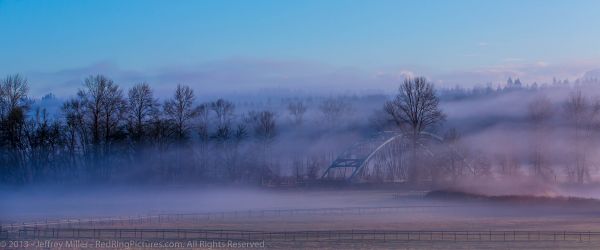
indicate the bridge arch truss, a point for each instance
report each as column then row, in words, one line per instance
column 384, row 157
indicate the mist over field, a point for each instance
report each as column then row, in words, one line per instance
column 509, row 140
column 497, row 130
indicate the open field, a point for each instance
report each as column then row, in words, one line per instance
column 373, row 219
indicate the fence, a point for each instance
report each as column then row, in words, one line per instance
column 272, row 236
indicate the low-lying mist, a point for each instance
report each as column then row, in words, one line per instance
column 518, row 139
column 39, row 203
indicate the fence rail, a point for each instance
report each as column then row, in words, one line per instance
column 272, row 236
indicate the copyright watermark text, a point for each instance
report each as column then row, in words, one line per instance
column 128, row 244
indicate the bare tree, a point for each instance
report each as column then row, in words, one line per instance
column 482, row 166
column 224, row 112
column 264, row 125
column 114, row 109
column 509, row 164
column 297, row 110
column 416, row 106
column 13, row 108
column 77, row 131
column 454, row 155
column 13, row 93
column 265, row 130
column 229, row 150
column 202, row 149
column 142, row 107
column 203, row 122
column 415, row 109
column 582, row 116
column 43, row 141
column 333, row 109
column 226, row 138
column 104, row 108
column 93, row 98
column 180, row 110
column 539, row 113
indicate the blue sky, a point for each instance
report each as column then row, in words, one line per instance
column 527, row 38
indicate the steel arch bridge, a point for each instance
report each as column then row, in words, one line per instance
column 358, row 157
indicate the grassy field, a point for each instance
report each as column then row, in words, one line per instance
column 389, row 219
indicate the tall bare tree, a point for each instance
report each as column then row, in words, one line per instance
column 333, row 109
column 224, row 138
column 297, row 110
column 114, row 109
column 181, row 111
column 13, row 93
column 453, row 155
column 264, row 125
column 223, row 111
column 414, row 110
column 539, row 113
column 93, row 98
column 104, row 107
column 582, row 115
column 142, row 107
column 43, row 142
column 13, row 109
column 265, row 130
column 76, row 130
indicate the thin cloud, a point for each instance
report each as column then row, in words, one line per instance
column 254, row 75
column 513, row 59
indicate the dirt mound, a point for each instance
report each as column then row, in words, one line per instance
column 521, row 199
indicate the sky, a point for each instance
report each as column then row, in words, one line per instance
column 462, row 42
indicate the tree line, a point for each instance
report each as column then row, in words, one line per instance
column 105, row 133
column 108, row 134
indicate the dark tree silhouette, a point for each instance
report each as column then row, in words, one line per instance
column 414, row 110
column 224, row 112
column 297, row 110
column 582, row 116
column 539, row 113
column 99, row 97
column 103, row 109
column 142, row 108
column 13, row 94
column 265, row 131
column 180, row 111
column 13, row 108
